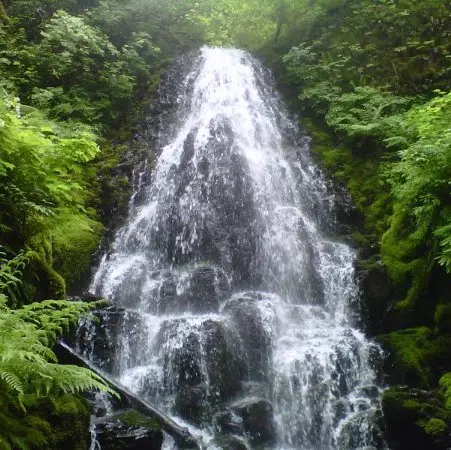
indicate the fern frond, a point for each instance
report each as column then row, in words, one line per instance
column 12, row 381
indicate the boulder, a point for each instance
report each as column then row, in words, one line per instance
column 99, row 340
column 94, row 339
column 227, row 422
column 415, row 419
column 230, row 443
column 258, row 420
column 127, row 430
column 248, row 317
column 202, row 365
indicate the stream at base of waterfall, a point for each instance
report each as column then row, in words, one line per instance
column 236, row 301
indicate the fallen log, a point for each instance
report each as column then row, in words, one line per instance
column 181, row 435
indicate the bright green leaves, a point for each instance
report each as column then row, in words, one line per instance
column 355, row 70
column 83, row 75
column 421, row 179
column 72, row 70
column 28, row 366
column 444, row 235
column 368, row 111
column 11, row 284
column 402, row 46
column 41, row 167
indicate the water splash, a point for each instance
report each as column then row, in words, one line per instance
column 237, row 298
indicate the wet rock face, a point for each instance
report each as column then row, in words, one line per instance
column 256, row 337
column 375, row 438
column 202, row 290
column 98, row 339
column 95, row 340
column 230, row 443
column 221, row 248
column 208, row 287
column 211, row 182
column 127, row 430
column 377, row 292
column 258, row 420
column 202, row 366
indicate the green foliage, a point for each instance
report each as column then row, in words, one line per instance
column 41, row 167
column 399, row 44
column 71, row 69
column 421, row 179
column 434, row 427
column 74, row 238
column 28, row 367
column 83, row 75
column 445, row 385
column 369, row 112
column 11, row 270
column 420, row 184
column 361, row 68
column 411, row 348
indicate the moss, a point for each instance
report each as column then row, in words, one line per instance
column 442, row 317
column 133, row 418
column 75, row 237
column 69, row 419
column 358, row 171
column 408, row 260
column 415, row 419
column 50, row 285
column 61, row 254
column 113, row 183
column 47, row 424
column 434, row 427
column 419, row 356
column 445, row 385
column 411, row 349
column 42, row 244
column 414, row 404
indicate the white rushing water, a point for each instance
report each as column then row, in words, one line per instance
column 238, row 316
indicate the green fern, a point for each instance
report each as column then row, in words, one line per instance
column 29, row 368
column 11, row 283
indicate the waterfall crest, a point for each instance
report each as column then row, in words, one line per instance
column 237, row 299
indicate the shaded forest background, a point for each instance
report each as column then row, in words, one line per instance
column 371, row 83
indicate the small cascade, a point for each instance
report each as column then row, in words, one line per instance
column 234, row 301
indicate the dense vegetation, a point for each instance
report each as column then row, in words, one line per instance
column 371, row 81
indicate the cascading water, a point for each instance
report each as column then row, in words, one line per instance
column 237, row 300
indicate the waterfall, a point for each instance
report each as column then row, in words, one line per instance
column 237, row 301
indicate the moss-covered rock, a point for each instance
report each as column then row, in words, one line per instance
column 46, row 423
column 415, row 419
column 416, row 356
column 49, row 283
column 69, row 421
column 445, row 385
column 377, row 292
column 358, row 171
column 75, row 237
column 128, row 430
